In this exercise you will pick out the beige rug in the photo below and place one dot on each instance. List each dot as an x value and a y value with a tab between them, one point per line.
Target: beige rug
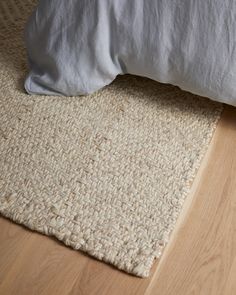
106	174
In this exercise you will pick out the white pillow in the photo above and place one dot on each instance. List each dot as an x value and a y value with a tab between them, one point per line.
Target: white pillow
78	46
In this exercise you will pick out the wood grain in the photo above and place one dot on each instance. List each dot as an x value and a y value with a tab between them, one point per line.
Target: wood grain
200	258
35	264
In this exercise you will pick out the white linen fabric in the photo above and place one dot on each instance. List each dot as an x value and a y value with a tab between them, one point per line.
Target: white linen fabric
76	47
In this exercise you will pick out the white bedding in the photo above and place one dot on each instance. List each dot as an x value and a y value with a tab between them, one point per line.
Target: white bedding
78	46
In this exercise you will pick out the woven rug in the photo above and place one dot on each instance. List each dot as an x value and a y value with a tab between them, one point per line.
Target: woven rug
106	173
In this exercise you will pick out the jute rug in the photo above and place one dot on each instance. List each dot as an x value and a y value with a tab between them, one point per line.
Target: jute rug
106	174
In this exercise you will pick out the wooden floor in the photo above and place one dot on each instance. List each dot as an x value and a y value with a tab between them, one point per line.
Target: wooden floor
200	258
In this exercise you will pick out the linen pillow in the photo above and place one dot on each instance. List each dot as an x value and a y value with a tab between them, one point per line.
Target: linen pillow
76	47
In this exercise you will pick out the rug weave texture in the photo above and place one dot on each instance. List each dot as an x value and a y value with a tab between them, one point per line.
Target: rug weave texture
106	173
